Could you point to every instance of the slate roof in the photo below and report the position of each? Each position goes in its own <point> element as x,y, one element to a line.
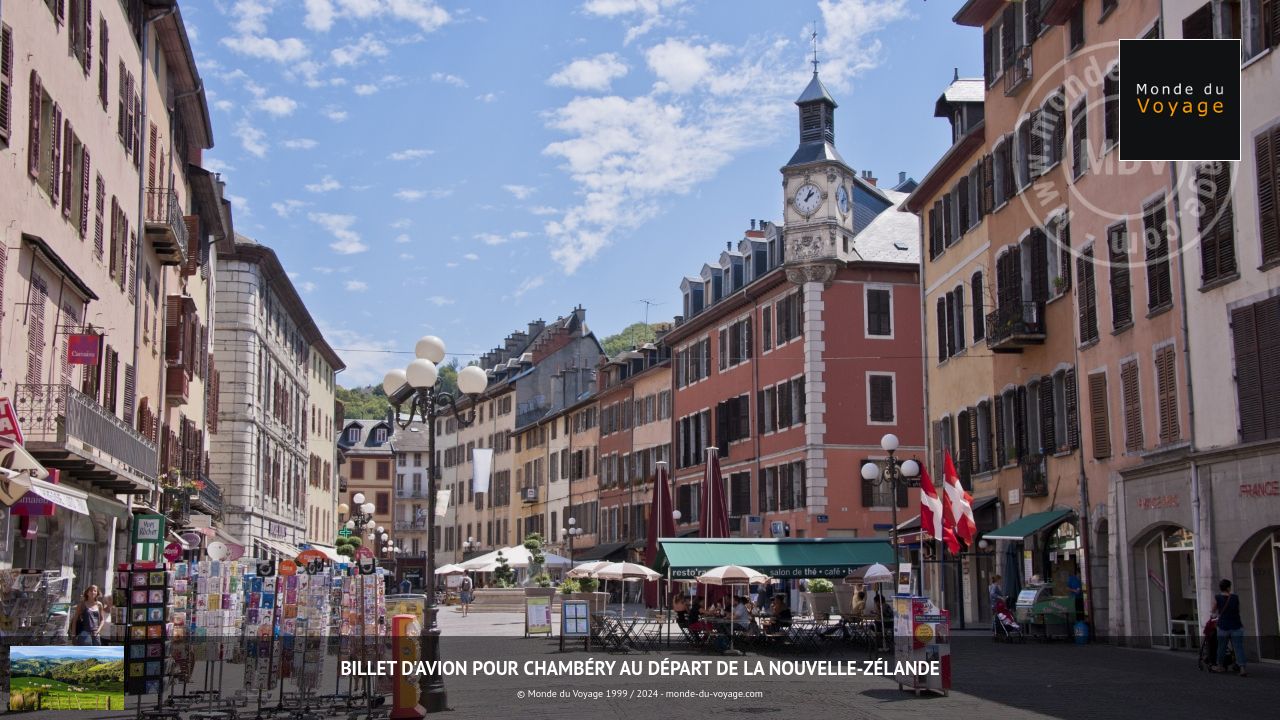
<point>411,439</point>
<point>892,237</point>
<point>815,91</point>
<point>965,90</point>
<point>814,152</point>
<point>364,436</point>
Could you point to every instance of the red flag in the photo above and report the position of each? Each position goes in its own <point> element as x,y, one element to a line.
<point>959,505</point>
<point>933,519</point>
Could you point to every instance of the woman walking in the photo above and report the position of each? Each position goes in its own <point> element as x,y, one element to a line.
<point>86,620</point>
<point>1230,627</point>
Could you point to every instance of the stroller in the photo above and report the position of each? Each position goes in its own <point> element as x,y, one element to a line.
<point>1209,649</point>
<point>1003,626</point>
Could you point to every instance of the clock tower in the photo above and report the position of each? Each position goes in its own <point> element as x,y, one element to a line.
<point>817,189</point>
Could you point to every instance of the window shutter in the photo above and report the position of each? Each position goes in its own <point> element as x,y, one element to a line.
<point>942,329</point>
<point>1008,34</point>
<point>1098,419</point>
<point>35,332</point>
<point>66,173</point>
<point>1048,441</point>
<point>979,316</point>
<point>1020,422</point>
<point>988,72</point>
<point>1121,289</point>
<point>998,424</point>
<point>103,83</point>
<point>1072,400</point>
<point>84,193</point>
<point>1064,241</point>
<point>1039,266</point>
<point>1167,395</point>
<point>122,107</point>
<point>131,258</point>
<point>1036,152</point>
<point>959,326</point>
<point>1248,373</point>
<point>1132,406</point>
<point>867,490</point>
<point>975,455</point>
<point>130,389</point>
<point>6,82</point>
<point>99,205</point>
<point>1087,299</point>
<point>1059,103</point>
<point>1159,288</point>
<point>33,128</point>
<point>722,429</point>
<point>1266,150</point>
<point>88,36</point>
<point>193,245</point>
<point>60,11</point>
<point>988,183</point>
<point>950,323</point>
<point>965,449</point>
<point>55,164</point>
<point>151,171</point>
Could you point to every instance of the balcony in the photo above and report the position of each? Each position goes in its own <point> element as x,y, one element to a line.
<point>1014,326</point>
<point>175,504</point>
<point>529,494</point>
<point>411,525</point>
<point>1035,477</point>
<point>209,497</point>
<point>166,226</point>
<point>411,493</point>
<point>1019,73</point>
<point>177,385</point>
<point>68,430</point>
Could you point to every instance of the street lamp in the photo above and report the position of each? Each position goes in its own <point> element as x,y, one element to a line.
<point>891,474</point>
<point>416,384</point>
<point>574,531</point>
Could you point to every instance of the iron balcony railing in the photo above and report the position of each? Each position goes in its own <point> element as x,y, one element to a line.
<point>63,415</point>
<point>1035,477</point>
<point>210,496</point>
<point>1014,324</point>
<point>411,493</point>
<point>1019,73</point>
<point>166,225</point>
<point>411,525</point>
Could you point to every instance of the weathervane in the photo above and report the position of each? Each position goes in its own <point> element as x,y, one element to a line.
<point>814,38</point>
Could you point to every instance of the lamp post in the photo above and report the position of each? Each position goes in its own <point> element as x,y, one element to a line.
<point>416,384</point>
<point>361,518</point>
<point>893,472</point>
<point>574,531</point>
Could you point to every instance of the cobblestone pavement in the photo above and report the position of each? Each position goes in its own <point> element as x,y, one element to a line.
<point>991,681</point>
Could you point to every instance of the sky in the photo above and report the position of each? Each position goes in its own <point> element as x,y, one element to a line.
<point>461,169</point>
<point>106,652</point>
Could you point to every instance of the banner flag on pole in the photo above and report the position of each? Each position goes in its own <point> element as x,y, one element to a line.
<point>481,464</point>
<point>442,502</point>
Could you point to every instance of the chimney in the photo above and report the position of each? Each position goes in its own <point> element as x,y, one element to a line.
<point>902,177</point>
<point>955,74</point>
<point>536,327</point>
<point>866,175</point>
<point>753,223</point>
<point>728,245</point>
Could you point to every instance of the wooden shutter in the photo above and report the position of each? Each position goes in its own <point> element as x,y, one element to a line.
<point>1033,20</point>
<point>942,329</point>
<point>988,183</point>
<point>1072,400</point>
<point>1271,22</point>
<point>192,265</point>
<point>988,71</point>
<point>55,147</point>
<point>964,447</point>
<point>1036,163</point>
<point>979,316</point>
<point>1167,394</point>
<point>1121,289</point>
<point>153,198</point>
<point>949,327</point>
<point>99,207</point>
<point>997,421</point>
<point>35,331</point>
<point>84,192</point>
<point>1248,373</point>
<point>66,173</point>
<point>1020,422</point>
<point>130,392</point>
<point>1132,406</point>
<point>109,379</point>
<point>1216,221</point>
<point>1039,265</point>
<point>33,132</point>
<point>1159,287</point>
<point>1008,35</point>
<point>1087,298</point>
<point>131,258</point>
<point>6,82</point>
<point>122,107</point>
<point>1059,103</point>
<point>1100,425</point>
<point>1064,241</point>
<point>103,81</point>
<point>1048,441</point>
<point>1266,150</point>
<point>975,445</point>
<point>87,57</point>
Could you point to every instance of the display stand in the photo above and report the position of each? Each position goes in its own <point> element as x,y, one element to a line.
<point>575,623</point>
<point>922,632</point>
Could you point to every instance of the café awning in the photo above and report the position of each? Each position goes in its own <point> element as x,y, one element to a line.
<point>777,557</point>
<point>603,551</point>
<point>99,505</point>
<point>1027,525</point>
<point>60,495</point>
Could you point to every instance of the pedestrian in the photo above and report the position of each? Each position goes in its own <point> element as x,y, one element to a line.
<point>1230,628</point>
<point>995,593</point>
<point>405,586</point>
<point>86,619</point>
<point>1076,588</point>
<point>465,594</point>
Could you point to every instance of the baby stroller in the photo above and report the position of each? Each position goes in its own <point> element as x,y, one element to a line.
<point>1209,649</point>
<point>1003,626</point>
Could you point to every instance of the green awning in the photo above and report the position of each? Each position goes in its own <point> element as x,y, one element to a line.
<point>99,505</point>
<point>1022,527</point>
<point>688,558</point>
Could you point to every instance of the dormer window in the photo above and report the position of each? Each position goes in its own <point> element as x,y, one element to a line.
<point>353,435</point>
<point>379,435</point>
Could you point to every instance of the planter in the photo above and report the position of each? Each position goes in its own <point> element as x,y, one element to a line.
<point>821,604</point>
<point>540,592</point>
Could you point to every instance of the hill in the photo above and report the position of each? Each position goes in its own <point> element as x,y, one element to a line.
<point>81,672</point>
<point>631,336</point>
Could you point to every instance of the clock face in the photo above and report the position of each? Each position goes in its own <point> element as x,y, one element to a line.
<point>842,199</point>
<point>808,198</point>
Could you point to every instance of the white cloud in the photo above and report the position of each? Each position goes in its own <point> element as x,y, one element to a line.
<point>448,79</point>
<point>278,105</point>
<point>326,184</point>
<point>595,73</point>
<point>240,203</point>
<point>356,285</point>
<point>487,97</point>
<point>286,208</point>
<point>365,89</point>
<point>413,194</point>
<point>286,50</point>
<point>402,223</point>
<point>252,139</point>
<point>407,256</point>
<point>531,283</point>
<point>214,165</point>
<point>645,14</point>
<point>319,15</point>
<point>426,14</point>
<point>348,240</point>
<point>403,238</point>
<point>543,210</point>
<point>335,114</point>
<point>366,46</point>
<point>300,144</point>
<point>495,239</point>
<point>680,65</point>
<point>410,154</point>
<point>471,256</point>
<point>366,357</point>
<point>848,44</point>
<point>224,105</point>
<point>520,191</point>
<point>440,300</point>
<point>307,286</point>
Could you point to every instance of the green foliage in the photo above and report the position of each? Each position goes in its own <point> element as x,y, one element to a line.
<point>363,402</point>
<point>569,587</point>
<point>821,585</point>
<point>542,580</point>
<point>631,336</point>
<point>345,550</point>
<point>589,584</point>
<point>533,543</point>
<point>504,576</point>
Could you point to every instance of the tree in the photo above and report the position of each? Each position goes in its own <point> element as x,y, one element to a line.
<point>503,575</point>
<point>631,336</point>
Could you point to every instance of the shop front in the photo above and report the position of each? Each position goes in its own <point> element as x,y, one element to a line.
<point>1042,551</point>
<point>1158,560</point>
<point>962,580</point>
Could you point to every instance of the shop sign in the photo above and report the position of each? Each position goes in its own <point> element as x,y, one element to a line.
<point>10,429</point>
<point>173,552</point>
<point>345,532</point>
<point>822,519</point>
<point>1159,502</point>
<point>82,349</point>
<point>1262,489</point>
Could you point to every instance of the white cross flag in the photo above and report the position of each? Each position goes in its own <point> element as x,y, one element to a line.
<point>481,463</point>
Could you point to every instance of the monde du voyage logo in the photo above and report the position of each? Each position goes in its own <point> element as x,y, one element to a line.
<point>1180,100</point>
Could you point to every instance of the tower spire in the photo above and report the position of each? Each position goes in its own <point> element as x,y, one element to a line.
<point>814,38</point>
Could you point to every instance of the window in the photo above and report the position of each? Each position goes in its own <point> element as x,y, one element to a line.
<point>975,294</point>
<point>1022,161</point>
<point>1118,254</point>
<point>357,469</point>
<point>1111,108</point>
<point>879,312</point>
<point>6,82</point>
<point>789,323</point>
<point>958,324</point>
<point>941,330</point>
<point>1156,234</point>
<point>740,494</point>
<point>1216,222</point>
<point>881,402</point>
<point>733,422</point>
<point>766,328</point>
<point>1199,24</point>
<point>1002,166</point>
<point>1099,421</point>
<point>382,503</point>
<point>1266,148</point>
<point>1167,394</point>
<point>735,343</point>
<point>1079,138</point>
<point>1255,333</point>
<point>1039,409</point>
<point>1076,28</point>
<point>1087,299</point>
<point>984,431</point>
<point>1132,402</point>
<point>974,202</point>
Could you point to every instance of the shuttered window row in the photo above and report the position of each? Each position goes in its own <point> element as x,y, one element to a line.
<point>1131,399</point>
<point>1216,222</point>
<point>1255,331</point>
<point>1266,147</point>
<point>1156,232</point>
<point>1121,291</point>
